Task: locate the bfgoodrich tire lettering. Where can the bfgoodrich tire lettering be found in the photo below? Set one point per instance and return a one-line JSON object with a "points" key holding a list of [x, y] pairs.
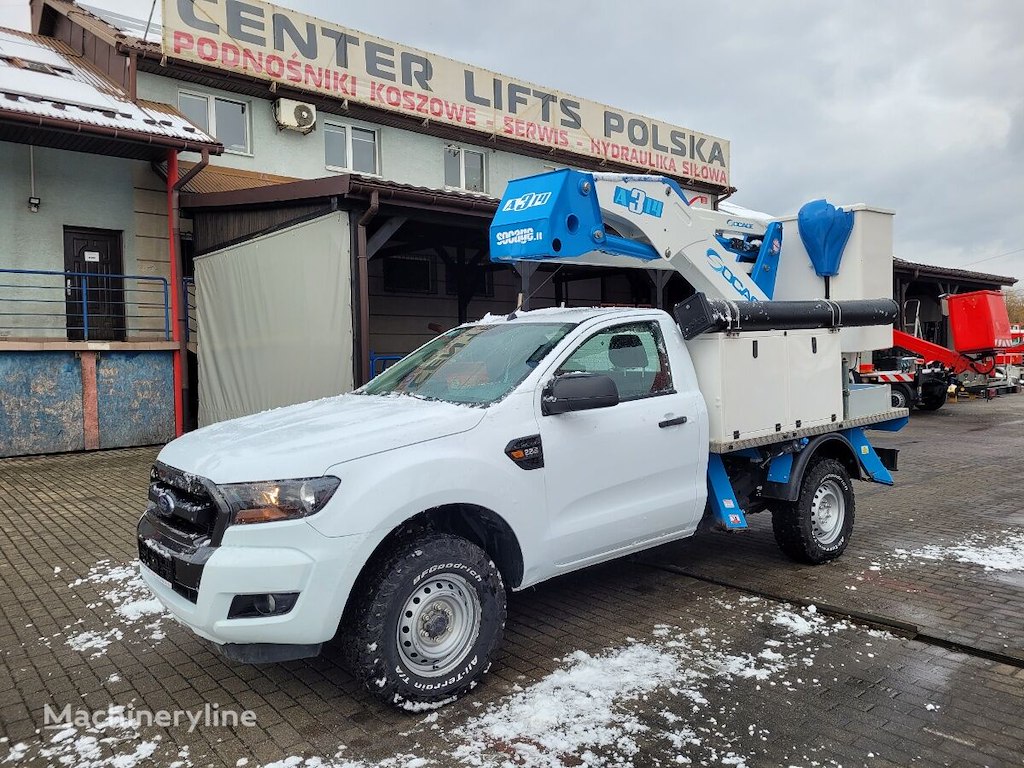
{"points": [[817, 526], [431, 619]]}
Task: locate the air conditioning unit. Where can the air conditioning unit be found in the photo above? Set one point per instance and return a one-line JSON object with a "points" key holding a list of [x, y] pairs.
{"points": [[295, 115]]}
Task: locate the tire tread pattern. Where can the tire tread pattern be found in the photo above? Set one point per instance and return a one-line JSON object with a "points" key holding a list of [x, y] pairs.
{"points": [[366, 629], [791, 522]]}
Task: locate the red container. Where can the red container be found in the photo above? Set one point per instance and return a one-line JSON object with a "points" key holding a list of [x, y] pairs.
{"points": [[979, 321]]}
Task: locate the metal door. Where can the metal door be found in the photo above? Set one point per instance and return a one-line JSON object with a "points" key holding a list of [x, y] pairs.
{"points": [[94, 284], [620, 478]]}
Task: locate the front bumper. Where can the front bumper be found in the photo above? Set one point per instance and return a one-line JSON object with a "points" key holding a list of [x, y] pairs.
{"points": [[273, 557]]}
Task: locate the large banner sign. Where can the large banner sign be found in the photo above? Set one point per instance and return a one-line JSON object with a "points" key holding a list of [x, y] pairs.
{"points": [[276, 44]]}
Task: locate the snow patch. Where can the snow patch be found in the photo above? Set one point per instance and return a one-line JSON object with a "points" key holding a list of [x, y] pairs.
{"points": [[125, 594], [579, 708], [113, 742], [1002, 552]]}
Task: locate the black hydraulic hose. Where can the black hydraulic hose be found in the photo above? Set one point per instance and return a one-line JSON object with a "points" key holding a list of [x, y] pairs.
{"points": [[699, 314]]}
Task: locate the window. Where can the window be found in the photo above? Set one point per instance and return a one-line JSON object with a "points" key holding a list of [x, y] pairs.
{"points": [[633, 355], [408, 274], [225, 119], [35, 66], [350, 148], [464, 169], [196, 109], [472, 365]]}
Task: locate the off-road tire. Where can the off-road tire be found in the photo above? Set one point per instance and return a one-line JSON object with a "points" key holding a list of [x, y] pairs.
{"points": [[434, 561], [794, 524], [901, 397]]}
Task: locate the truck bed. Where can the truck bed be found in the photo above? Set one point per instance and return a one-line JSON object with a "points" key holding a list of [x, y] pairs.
{"points": [[717, 446]]}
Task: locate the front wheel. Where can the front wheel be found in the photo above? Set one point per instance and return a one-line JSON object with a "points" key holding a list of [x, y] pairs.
{"points": [[817, 526], [429, 624]]}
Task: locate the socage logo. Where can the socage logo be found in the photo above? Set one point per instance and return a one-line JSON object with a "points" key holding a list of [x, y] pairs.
{"points": [[728, 275]]}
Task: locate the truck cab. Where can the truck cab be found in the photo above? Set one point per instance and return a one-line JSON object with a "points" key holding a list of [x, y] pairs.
{"points": [[556, 439]]}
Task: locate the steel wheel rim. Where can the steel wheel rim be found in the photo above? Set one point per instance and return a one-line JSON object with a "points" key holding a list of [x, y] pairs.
{"points": [[828, 512], [438, 625]]}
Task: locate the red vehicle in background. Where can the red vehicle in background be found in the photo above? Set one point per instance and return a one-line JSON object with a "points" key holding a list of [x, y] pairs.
{"points": [[983, 341]]}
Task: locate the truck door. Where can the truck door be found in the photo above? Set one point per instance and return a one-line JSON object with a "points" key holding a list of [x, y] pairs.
{"points": [[627, 475]]}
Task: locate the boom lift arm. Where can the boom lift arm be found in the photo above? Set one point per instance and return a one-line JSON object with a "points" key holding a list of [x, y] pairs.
{"points": [[567, 214], [983, 363]]}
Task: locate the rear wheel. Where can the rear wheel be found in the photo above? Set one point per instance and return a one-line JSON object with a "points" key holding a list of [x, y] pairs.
{"points": [[932, 397], [431, 620], [817, 526]]}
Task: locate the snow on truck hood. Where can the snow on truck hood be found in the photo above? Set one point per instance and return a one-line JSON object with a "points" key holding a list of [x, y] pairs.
{"points": [[304, 440]]}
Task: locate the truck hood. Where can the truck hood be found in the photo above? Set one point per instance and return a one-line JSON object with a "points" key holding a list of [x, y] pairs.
{"points": [[304, 440]]}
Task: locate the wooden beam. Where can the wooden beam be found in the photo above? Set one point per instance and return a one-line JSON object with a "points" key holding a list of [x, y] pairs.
{"points": [[383, 234]]}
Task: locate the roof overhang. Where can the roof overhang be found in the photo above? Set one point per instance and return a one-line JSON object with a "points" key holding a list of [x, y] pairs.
{"points": [[346, 187], [916, 270], [83, 137]]}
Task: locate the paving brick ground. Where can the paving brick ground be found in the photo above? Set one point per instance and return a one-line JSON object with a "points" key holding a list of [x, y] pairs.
{"points": [[746, 687], [961, 480]]}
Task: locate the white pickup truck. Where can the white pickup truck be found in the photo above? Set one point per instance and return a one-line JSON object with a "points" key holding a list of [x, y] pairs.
{"points": [[500, 454]]}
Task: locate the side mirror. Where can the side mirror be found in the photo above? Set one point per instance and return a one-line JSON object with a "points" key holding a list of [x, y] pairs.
{"points": [[579, 392]]}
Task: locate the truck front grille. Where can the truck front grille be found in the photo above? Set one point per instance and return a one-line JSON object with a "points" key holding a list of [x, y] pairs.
{"points": [[182, 502]]}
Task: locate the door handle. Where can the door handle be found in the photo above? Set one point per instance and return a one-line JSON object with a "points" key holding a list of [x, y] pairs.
{"points": [[672, 422], [67, 288]]}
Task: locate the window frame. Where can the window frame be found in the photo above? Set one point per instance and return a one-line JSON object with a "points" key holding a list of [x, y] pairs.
{"points": [[658, 335], [462, 168], [211, 117], [348, 127], [418, 257]]}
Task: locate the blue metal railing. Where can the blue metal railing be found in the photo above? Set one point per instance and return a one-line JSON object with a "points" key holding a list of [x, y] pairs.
{"points": [[86, 306], [384, 361], [188, 285]]}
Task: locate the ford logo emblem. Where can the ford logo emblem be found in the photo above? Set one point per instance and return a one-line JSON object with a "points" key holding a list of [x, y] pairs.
{"points": [[165, 504]]}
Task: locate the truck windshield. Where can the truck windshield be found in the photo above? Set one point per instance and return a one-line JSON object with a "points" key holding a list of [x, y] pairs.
{"points": [[471, 365]]}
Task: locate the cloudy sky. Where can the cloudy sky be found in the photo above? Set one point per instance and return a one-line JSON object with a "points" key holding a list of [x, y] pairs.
{"points": [[915, 106]]}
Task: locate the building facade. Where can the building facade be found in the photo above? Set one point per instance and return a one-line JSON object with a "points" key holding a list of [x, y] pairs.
{"points": [[398, 122], [88, 356], [263, 157]]}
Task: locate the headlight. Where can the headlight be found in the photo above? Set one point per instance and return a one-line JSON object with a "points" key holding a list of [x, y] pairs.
{"points": [[278, 499]]}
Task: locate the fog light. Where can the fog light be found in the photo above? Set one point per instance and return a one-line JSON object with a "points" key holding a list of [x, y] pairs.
{"points": [[256, 606]]}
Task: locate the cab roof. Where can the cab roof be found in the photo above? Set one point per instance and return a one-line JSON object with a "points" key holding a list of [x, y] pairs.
{"points": [[573, 315]]}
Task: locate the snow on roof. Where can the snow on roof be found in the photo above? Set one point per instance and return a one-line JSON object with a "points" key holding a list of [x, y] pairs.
{"points": [[556, 314], [42, 77], [141, 27], [739, 210]]}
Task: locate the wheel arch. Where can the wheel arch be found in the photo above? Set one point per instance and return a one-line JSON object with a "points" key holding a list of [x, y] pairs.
{"points": [[480, 525], [829, 446]]}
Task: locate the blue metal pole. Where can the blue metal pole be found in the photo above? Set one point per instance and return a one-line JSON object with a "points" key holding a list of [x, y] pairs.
{"points": [[85, 308]]}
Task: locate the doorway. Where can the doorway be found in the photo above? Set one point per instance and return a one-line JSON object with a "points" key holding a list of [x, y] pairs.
{"points": [[94, 284]]}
